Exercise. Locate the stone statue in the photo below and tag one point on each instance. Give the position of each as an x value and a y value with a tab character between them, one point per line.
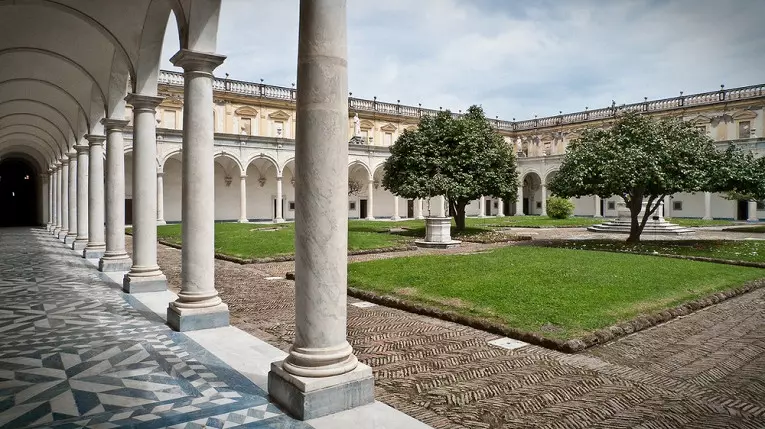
356	125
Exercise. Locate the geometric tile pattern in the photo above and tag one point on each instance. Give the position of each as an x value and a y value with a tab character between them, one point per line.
75	353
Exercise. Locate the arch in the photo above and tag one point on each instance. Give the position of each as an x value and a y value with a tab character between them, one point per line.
63	136
379	167
234	159
246	165
164	159
25	129
530	171
549	173
357	163
18	191
44	104
146	73
51	85
31	137
32	156
284	166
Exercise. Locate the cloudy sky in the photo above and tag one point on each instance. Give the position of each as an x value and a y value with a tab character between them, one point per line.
517	58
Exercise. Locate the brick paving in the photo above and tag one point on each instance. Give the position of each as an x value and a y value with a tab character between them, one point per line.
705	370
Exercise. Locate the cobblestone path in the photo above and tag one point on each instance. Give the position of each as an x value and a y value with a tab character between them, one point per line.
706	370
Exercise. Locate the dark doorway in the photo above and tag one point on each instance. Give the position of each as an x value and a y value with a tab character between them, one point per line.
602	208
129	211
410	209
362	209
487	207
282	208
18	193
507	209
525	206
743	210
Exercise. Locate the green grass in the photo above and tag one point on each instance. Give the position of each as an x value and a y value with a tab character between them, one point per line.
734	250
261	241
752	229
558	293
689	222
531	222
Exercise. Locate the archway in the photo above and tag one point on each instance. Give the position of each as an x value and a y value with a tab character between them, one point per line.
18	193
532	194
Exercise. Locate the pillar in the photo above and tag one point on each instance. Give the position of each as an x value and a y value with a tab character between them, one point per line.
519	201
440	203
544	200
81	240
752	211
500	208
64	198
370	200
161	198
57	199
144	274
50	200
707	206
395	208
72	234
279	218
115	257
418	209
243	198
596	204
96	212
482	206
198	305
321	375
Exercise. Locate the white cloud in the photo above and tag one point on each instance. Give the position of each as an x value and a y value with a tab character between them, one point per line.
516	58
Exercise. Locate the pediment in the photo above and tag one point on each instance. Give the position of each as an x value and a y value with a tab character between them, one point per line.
388	128
366	125
701	120
279	115
246	111
744	114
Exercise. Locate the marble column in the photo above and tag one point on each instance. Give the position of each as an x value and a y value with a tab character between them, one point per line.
500	208
243	198
596	207
161	198
440	202
115	257
198	305
50	200
57	199
279	218
96	212
482	206
64	198
544	200
370	200
418	209
395	208
72	234
519	201
81	240
707	206
321	375
752	211
144	274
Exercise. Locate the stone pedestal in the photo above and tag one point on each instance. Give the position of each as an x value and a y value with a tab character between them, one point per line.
151	281
655	224
310	397
438	234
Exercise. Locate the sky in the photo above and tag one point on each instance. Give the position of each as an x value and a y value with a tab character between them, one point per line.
516	58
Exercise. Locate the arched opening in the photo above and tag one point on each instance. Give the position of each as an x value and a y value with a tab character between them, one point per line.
532	194
18	193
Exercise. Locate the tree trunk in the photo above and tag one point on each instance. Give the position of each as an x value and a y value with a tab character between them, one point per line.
636	227
459	215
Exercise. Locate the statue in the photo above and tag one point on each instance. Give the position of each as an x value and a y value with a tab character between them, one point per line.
356	125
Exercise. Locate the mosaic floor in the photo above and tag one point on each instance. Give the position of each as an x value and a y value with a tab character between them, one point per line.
75	353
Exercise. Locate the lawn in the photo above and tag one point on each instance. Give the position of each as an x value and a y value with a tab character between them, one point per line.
690	222
733	250
532	222
558	293
249	241
751	229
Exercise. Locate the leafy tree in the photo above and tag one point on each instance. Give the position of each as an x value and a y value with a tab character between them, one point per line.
741	174
559	208
640	158
460	158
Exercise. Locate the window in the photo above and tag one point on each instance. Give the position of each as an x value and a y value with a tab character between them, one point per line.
352	206
539	204
388	139
168	119
744	128
496	204
246	126
611	205
677	205
291	206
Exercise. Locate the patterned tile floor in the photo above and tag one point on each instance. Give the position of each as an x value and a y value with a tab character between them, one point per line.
75	353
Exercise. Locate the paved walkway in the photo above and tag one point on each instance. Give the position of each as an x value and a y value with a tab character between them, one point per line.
706	370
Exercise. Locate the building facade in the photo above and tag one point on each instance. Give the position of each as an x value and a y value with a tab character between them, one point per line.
254	152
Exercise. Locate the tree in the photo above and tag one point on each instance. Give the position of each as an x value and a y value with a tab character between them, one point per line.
461	158
559	208
741	174
640	158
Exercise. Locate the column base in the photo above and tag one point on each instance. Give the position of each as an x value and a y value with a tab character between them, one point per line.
706	218
161	222
243	220
93	252
79	244
194	319
310	397
500	215
141	284
56	231
279	220
69	239
753	220
115	263
47	227
420	217
61	234
395	218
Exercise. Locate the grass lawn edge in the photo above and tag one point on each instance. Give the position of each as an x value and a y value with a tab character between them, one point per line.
573	345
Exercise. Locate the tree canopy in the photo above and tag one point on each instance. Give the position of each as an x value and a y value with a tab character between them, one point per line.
640	158
460	158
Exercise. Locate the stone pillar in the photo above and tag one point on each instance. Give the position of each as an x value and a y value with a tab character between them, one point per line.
440	202
482	206
57	199
96	235
500	208
72	234
198	305
395	208
752	211
64	198
370	200
144	274
243	198
707	206
115	258
82	197
418	209
161	198
321	375
50	224
519	201
544	200
279	218
596	206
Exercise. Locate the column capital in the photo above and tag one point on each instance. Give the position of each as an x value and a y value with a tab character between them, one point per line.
243	176
143	102
81	148
197	62
65	160
114	124
95	139
72	154
57	165
160	173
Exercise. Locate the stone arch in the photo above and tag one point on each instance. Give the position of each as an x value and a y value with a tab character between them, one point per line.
288	164
550	173
362	165
62	143
43	104
231	157
271	159
531	183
